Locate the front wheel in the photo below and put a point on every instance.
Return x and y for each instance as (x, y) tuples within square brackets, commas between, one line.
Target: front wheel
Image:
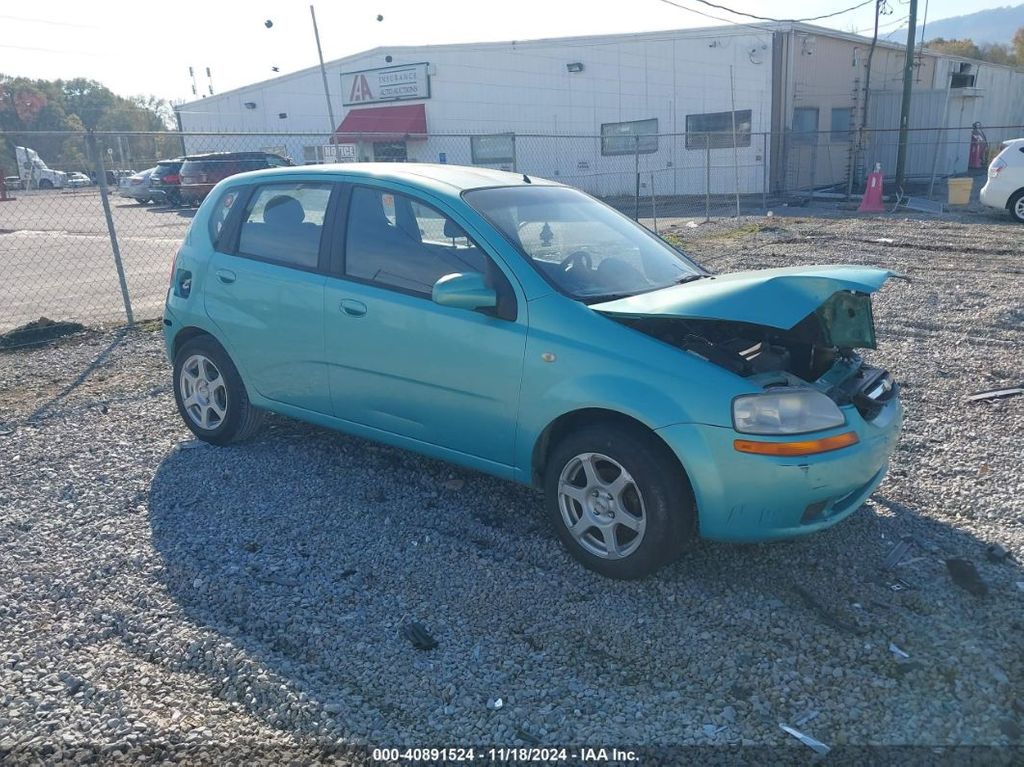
[(619, 501), (1016, 206), (210, 395)]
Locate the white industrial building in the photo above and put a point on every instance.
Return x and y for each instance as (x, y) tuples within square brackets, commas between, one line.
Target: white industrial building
[(767, 107)]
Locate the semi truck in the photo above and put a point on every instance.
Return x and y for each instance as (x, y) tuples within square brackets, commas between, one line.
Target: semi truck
[(35, 174)]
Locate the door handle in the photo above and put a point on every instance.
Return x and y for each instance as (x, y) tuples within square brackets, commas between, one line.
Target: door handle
[(226, 276), (352, 307)]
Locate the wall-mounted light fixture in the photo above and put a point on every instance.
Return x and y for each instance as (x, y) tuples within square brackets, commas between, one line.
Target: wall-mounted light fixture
[(575, 66), (249, 104), (281, 115)]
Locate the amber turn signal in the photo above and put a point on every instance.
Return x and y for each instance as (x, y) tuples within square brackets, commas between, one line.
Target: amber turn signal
[(804, 447)]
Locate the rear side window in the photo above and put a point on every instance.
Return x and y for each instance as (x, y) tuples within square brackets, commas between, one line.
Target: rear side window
[(284, 222)]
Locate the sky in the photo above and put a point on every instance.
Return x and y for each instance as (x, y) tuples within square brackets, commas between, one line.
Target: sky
[(146, 48)]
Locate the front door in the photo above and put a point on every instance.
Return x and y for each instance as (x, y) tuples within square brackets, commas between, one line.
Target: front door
[(405, 365), (266, 295)]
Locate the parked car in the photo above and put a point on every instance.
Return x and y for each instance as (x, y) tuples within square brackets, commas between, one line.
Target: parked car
[(1005, 186), (77, 180), (165, 181), (136, 186), (200, 173), (521, 327)]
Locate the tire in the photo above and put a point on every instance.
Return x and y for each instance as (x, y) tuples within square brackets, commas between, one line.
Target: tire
[(210, 395), (1016, 206), (144, 201), (635, 493), (46, 184)]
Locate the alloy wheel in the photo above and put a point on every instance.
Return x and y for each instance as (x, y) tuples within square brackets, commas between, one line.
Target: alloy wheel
[(204, 392), (602, 506)]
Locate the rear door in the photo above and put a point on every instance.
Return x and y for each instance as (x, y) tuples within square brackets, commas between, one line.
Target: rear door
[(400, 362), (265, 291)]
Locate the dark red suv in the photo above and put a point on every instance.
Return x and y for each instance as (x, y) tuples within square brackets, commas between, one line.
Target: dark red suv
[(200, 173)]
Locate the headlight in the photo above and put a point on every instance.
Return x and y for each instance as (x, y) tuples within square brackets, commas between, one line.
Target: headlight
[(785, 411)]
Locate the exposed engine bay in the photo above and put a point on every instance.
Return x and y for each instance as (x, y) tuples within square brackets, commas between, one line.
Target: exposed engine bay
[(818, 350)]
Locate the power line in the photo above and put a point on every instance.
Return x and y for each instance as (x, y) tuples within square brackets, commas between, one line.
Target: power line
[(770, 18)]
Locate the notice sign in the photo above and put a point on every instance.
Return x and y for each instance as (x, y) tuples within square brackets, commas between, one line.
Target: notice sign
[(372, 86)]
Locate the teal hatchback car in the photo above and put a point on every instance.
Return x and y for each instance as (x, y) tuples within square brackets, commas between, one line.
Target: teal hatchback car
[(522, 328)]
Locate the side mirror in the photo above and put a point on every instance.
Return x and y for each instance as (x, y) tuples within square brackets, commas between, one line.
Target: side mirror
[(464, 291)]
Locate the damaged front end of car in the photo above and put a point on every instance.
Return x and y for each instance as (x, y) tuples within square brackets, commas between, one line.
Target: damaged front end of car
[(780, 328), (812, 424)]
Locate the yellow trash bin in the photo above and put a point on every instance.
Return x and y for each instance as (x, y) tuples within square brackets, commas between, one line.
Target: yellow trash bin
[(960, 190)]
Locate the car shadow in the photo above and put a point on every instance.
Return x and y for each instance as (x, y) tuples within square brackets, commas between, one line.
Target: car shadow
[(305, 552)]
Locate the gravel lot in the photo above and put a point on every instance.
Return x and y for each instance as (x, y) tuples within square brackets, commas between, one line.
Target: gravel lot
[(158, 595)]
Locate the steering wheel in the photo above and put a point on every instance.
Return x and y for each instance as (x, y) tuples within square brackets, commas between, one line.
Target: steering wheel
[(577, 259)]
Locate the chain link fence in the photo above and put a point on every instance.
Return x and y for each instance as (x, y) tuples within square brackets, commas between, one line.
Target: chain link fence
[(79, 243)]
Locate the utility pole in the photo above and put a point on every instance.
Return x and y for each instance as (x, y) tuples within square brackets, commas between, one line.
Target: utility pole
[(323, 72), (908, 82)]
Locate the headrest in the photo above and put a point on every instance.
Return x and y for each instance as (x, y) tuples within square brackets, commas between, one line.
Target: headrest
[(284, 211)]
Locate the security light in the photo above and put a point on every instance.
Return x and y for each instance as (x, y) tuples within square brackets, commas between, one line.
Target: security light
[(249, 104), (575, 66)]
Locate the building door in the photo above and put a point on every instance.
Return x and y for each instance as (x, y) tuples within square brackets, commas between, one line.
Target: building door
[(389, 151)]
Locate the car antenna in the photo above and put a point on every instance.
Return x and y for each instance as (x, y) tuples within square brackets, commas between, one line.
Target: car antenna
[(527, 179)]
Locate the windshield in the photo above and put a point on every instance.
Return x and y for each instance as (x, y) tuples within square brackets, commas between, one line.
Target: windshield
[(586, 249)]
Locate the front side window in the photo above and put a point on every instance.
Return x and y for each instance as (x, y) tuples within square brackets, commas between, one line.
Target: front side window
[(283, 224), (399, 242), (584, 248)]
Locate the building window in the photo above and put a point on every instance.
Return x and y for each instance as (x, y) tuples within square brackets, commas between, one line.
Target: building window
[(962, 76), (714, 130), (805, 125), (842, 124), (311, 155), (497, 149), (638, 136)]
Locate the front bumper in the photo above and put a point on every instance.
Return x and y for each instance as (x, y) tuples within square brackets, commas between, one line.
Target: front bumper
[(747, 498)]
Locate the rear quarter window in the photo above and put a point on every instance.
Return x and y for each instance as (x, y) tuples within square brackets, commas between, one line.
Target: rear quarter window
[(220, 214)]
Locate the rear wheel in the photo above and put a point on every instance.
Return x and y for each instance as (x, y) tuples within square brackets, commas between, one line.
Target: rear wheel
[(46, 184), (618, 500), (210, 395), (1016, 206)]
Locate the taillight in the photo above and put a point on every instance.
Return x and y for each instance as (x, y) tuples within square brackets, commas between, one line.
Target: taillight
[(173, 178), (997, 165)]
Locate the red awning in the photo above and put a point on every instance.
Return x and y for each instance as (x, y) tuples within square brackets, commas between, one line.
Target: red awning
[(383, 124)]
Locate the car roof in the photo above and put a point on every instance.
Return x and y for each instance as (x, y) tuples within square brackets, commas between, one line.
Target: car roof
[(454, 177)]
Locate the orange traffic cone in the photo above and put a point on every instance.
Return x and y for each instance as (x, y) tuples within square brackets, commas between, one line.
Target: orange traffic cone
[(872, 200)]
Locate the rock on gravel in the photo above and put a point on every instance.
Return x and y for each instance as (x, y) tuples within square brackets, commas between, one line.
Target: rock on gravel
[(164, 598)]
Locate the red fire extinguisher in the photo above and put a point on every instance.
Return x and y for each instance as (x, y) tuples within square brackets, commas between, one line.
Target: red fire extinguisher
[(979, 148)]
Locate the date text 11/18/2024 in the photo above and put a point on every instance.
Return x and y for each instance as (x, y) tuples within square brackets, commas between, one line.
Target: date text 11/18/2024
[(503, 754)]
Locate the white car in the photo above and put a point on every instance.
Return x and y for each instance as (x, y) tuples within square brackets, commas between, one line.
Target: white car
[(77, 180), (1005, 187)]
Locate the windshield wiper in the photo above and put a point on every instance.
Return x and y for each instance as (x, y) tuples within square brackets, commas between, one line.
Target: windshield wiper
[(690, 278)]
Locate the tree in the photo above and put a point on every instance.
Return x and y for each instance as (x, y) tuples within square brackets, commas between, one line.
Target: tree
[(74, 106), (1018, 46), (965, 48)]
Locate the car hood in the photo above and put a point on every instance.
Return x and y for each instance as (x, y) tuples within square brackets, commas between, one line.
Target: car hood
[(778, 298)]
